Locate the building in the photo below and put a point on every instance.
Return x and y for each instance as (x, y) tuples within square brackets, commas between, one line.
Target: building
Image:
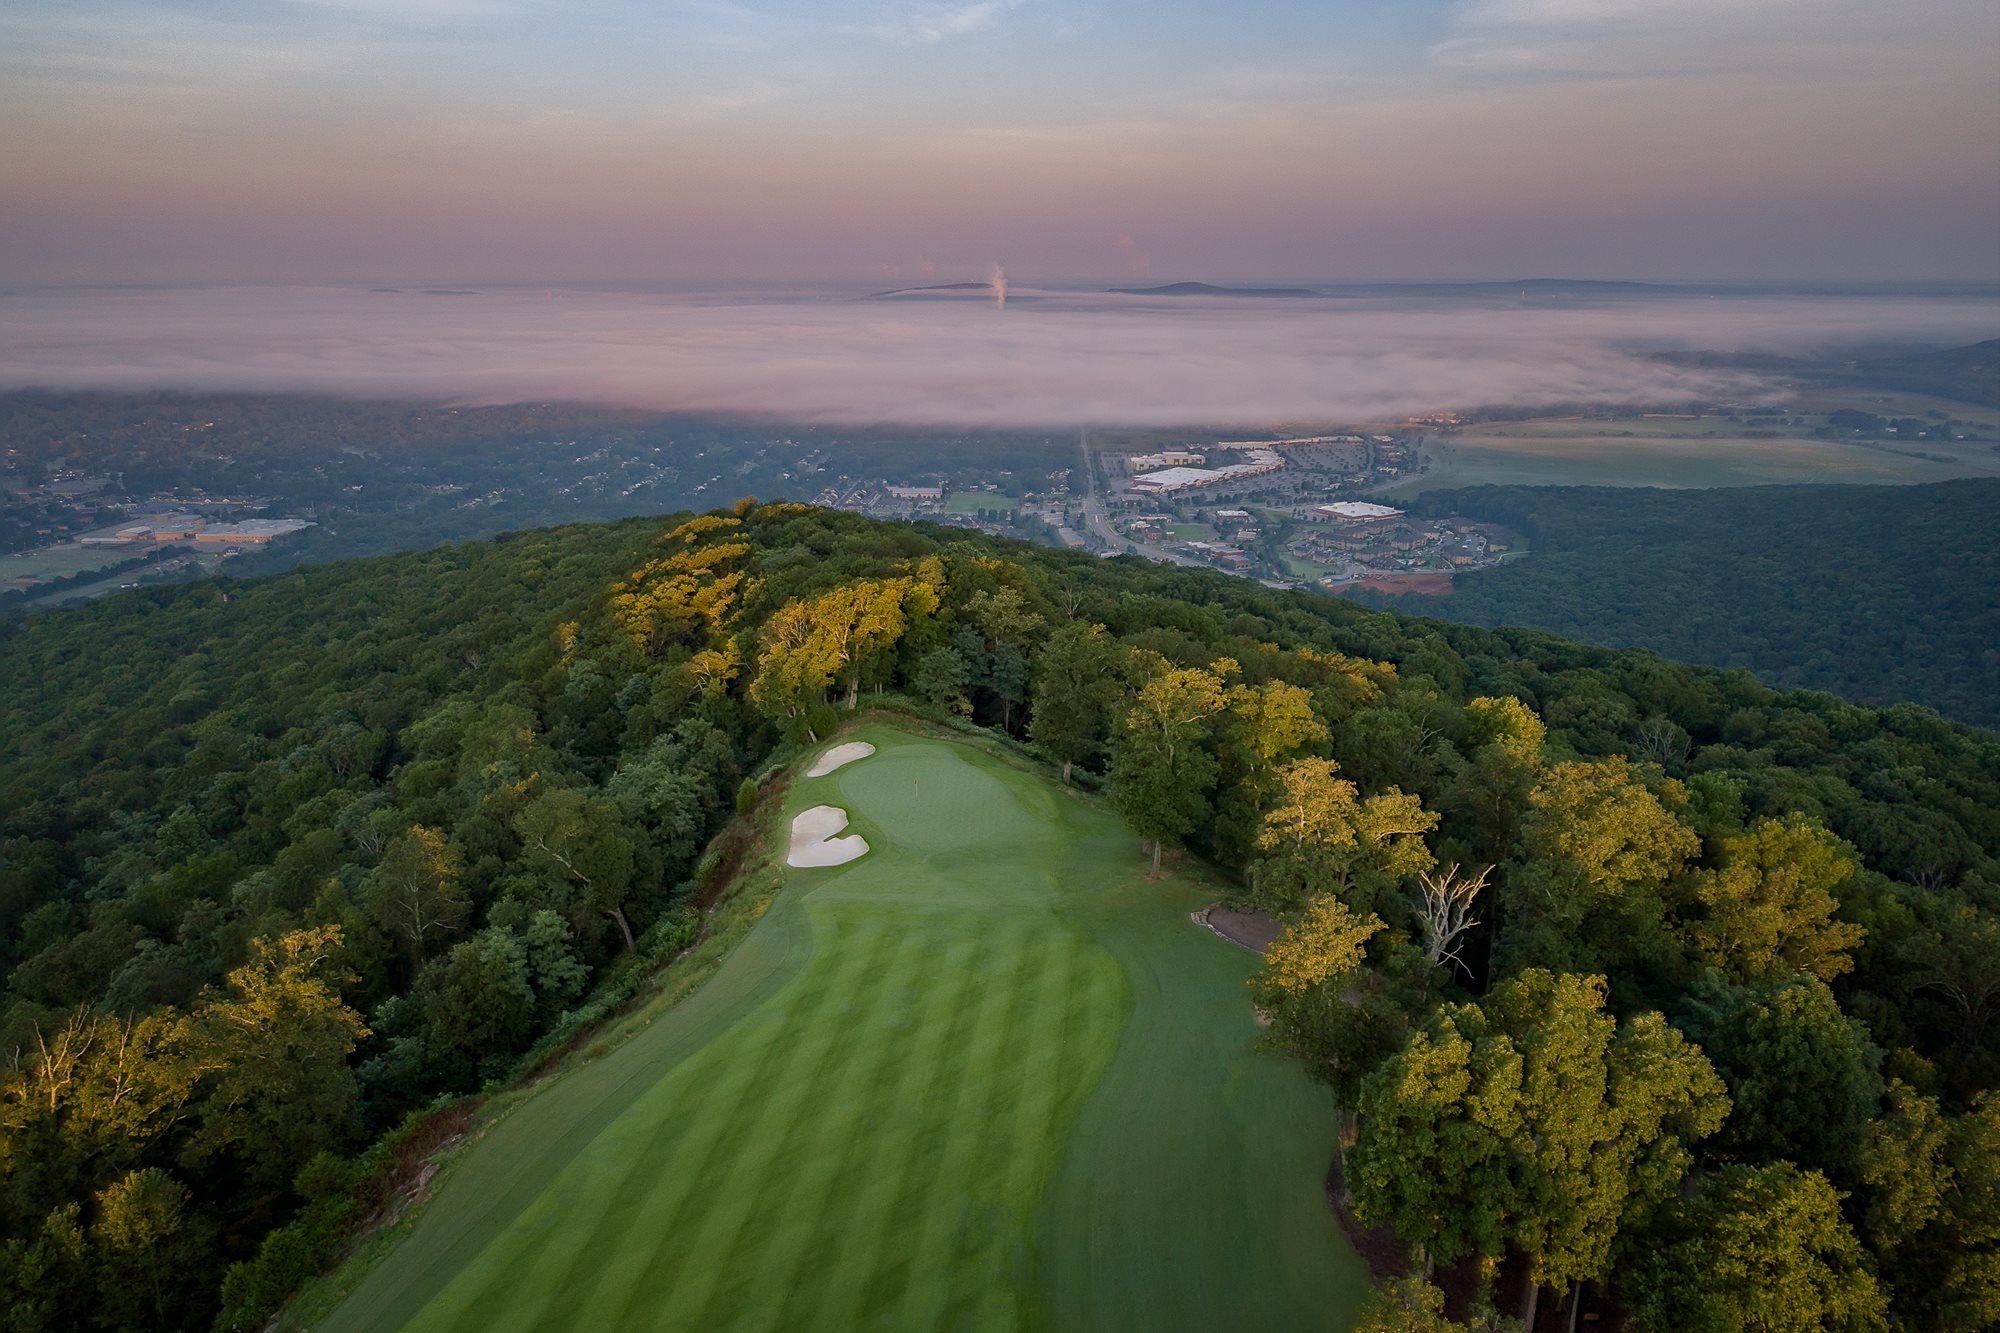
[(1257, 461), (1166, 458), (1175, 479), (1355, 511), (916, 492), (254, 531)]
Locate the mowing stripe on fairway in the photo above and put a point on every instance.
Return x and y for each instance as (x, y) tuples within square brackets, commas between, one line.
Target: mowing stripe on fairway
[(986, 1076)]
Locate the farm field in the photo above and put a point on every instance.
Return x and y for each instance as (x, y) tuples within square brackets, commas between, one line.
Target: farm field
[(986, 1076), (1673, 453)]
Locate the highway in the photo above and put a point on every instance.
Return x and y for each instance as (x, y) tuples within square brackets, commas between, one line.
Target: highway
[(1095, 518)]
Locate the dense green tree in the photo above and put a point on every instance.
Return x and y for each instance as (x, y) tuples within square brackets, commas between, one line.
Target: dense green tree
[(1408, 1304), (940, 679), (149, 1250), (1321, 836), (1608, 1114), (1768, 909), (1161, 768), (1075, 686), (1756, 1248), (1802, 1075), (477, 1002), (1599, 846), (273, 1051), (1431, 1159), (1932, 1184), (584, 839), (416, 894)]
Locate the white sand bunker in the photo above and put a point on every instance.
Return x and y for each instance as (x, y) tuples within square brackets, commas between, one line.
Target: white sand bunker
[(839, 757), (813, 843)]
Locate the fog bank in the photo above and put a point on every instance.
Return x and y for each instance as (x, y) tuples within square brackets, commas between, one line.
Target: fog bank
[(1054, 359)]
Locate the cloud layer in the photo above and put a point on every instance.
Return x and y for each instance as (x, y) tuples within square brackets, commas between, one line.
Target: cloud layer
[(1051, 359)]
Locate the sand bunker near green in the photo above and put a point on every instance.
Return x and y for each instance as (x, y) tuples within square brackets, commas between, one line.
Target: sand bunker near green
[(986, 1077), (839, 757), (813, 843)]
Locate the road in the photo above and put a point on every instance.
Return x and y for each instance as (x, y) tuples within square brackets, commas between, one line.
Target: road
[(1099, 522)]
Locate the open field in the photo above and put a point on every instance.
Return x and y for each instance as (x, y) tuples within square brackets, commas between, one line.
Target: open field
[(971, 502), (985, 1076), (55, 562), (1889, 403), (1674, 453)]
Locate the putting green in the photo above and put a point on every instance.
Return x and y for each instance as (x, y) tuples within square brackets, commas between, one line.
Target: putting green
[(984, 1077)]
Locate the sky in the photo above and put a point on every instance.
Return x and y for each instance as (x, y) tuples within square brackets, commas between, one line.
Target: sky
[(860, 143)]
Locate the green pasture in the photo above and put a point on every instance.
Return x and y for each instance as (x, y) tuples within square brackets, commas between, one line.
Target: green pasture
[(971, 502), (1564, 454), (987, 1076), (55, 562)]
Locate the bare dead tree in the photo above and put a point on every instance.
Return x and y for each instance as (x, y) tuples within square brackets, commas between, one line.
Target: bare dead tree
[(1444, 904), (1664, 741)]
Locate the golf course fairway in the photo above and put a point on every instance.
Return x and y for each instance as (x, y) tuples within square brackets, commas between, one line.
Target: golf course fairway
[(985, 1076)]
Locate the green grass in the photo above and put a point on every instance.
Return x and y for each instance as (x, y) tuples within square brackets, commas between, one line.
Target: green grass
[(1302, 569), (1669, 453), (971, 502), (985, 1077), (54, 562), (1192, 532)]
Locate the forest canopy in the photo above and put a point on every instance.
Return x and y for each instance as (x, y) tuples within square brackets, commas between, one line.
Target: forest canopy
[(1878, 593), (289, 865)]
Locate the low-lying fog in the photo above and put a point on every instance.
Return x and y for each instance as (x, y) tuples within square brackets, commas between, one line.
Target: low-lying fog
[(1047, 358)]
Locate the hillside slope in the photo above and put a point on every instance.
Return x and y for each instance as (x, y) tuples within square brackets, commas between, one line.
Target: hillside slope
[(286, 864), (1878, 593)]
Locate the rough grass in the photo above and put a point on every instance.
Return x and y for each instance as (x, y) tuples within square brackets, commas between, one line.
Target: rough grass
[(986, 1076)]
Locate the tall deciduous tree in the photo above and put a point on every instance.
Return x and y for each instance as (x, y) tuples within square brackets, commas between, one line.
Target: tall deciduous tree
[(1536, 1122), (1608, 1112), (1599, 848), (1322, 836), (1768, 910), (1804, 1076), (1073, 689), (1436, 1118), (584, 838), (1305, 989), (151, 1249), (1161, 764), (1756, 1248), (273, 1049), (415, 893), (1407, 1304)]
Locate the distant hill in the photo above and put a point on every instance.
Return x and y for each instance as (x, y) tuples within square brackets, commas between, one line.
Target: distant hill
[(1542, 287), (1209, 289), (937, 287), (1968, 374), (1879, 593)]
